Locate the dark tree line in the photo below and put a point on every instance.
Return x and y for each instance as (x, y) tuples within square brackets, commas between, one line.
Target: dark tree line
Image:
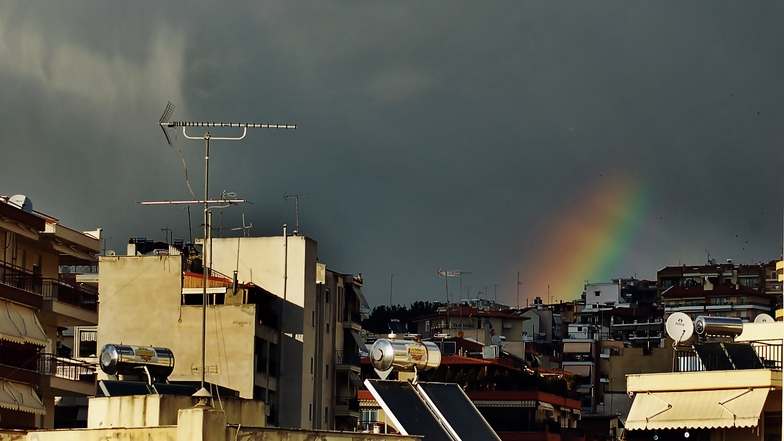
[(379, 318)]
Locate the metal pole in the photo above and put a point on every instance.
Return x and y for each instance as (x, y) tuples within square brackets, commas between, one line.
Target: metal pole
[(205, 268), (391, 278), (518, 290)]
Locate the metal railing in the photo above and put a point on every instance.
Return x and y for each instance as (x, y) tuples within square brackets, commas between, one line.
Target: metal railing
[(79, 297), (347, 358), (66, 368), (19, 278), (48, 288), (687, 360)]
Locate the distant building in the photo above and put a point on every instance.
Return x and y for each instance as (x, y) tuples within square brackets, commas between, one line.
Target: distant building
[(481, 325), (721, 290), (38, 302)]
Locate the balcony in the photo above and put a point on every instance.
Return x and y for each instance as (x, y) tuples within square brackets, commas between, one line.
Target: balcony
[(347, 361), (66, 305), (61, 304), (20, 286), (351, 320), (347, 407), (61, 376)]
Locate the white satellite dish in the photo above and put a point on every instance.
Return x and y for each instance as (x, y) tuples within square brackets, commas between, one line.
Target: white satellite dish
[(22, 202), (680, 328), (111, 253), (764, 318)]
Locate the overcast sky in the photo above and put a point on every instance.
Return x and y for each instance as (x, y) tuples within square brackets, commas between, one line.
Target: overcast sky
[(569, 141)]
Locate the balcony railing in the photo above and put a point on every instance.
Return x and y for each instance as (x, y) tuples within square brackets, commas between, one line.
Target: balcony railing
[(19, 278), (346, 358), (48, 288), (66, 368)]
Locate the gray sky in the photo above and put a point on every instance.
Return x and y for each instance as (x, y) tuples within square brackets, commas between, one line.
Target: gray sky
[(569, 141)]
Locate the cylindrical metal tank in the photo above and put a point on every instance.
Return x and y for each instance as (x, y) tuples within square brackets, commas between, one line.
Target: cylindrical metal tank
[(130, 360), (706, 326), (404, 355)]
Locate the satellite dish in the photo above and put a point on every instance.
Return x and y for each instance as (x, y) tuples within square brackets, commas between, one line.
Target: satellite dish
[(22, 202), (680, 328), (764, 318), (110, 253)]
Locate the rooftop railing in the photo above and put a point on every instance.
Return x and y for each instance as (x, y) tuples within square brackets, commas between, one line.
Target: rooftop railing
[(66, 368)]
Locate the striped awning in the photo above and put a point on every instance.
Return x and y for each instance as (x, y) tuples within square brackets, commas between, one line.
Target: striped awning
[(697, 409), (19, 324), (20, 396)]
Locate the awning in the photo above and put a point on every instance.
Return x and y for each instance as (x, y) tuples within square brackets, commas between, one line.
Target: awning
[(571, 347), (20, 396), (546, 406), (360, 343), (18, 228), (72, 251), (19, 324), (358, 291), (583, 370), (697, 409)]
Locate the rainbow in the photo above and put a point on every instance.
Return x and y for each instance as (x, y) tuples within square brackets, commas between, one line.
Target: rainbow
[(594, 240)]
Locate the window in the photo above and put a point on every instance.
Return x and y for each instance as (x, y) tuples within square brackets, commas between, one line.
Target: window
[(326, 371), (327, 328), (311, 365), (313, 318), (596, 293), (326, 414), (310, 412), (88, 343), (326, 296)]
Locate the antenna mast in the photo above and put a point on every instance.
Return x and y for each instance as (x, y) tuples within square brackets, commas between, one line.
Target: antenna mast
[(164, 123), (447, 275), (296, 205)]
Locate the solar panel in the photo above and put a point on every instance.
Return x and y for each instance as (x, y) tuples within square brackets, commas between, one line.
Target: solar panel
[(743, 356), (122, 388), (405, 408), (713, 357), (458, 411)]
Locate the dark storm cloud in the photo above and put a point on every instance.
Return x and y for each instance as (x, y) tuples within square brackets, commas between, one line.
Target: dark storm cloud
[(434, 136)]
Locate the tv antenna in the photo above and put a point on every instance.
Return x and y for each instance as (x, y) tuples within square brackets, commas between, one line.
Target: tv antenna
[(164, 123), (446, 275), (296, 205), (245, 228)]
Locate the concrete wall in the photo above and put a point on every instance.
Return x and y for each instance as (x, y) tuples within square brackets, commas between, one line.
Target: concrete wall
[(141, 305), (274, 263), (632, 361), (608, 292)]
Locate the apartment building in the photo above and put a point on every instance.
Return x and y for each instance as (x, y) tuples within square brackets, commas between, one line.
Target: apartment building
[(478, 324), (721, 290), (280, 326), (37, 303)]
